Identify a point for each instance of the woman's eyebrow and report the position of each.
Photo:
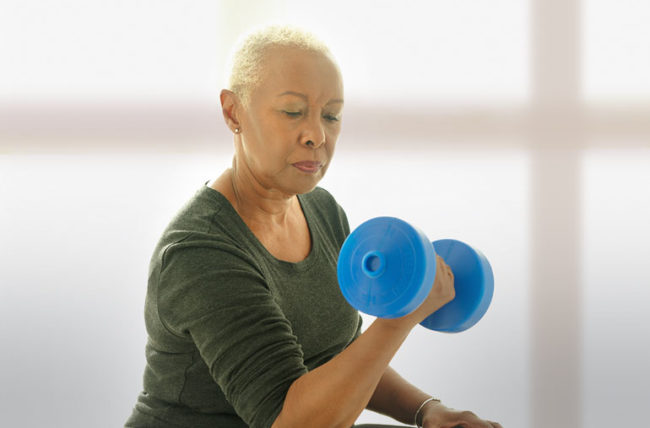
(297, 94)
(303, 96)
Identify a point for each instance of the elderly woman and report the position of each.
(246, 323)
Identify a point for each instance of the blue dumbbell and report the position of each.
(386, 268)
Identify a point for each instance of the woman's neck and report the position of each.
(254, 203)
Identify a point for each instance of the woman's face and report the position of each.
(292, 121)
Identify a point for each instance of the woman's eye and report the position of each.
(292, 113)
(331, 118)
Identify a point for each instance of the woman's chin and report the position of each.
(300, 190)
(303, 186)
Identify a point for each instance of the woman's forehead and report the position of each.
(292, 70)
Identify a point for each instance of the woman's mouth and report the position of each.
(308, 166)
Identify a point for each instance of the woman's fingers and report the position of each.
(470, 420)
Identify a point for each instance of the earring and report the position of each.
(236, 130)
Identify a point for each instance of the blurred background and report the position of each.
(521, 127)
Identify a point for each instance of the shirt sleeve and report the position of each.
(358, 332)
(219, 299)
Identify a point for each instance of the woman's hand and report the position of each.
(442, 292)
(436, 415)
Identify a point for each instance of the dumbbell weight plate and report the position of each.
(383, 265)
(474, 285)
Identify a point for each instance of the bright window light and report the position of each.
(421, 51)
(616, 50)
(616, 285)
(431, 52)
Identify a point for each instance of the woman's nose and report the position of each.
(314, 134)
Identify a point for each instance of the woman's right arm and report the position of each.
(335, 394)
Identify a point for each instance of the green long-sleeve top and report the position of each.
(230, 326)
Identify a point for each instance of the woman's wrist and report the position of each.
(420, 411)
(402, 325)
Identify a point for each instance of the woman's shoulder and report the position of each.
(327, 209)
(206, 220)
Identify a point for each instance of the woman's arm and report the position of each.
(397, 398)
(335, 394)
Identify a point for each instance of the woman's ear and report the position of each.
(230, 107)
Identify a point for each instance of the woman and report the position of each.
(246, 323)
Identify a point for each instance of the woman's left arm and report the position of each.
(397, 398)
(400, 400)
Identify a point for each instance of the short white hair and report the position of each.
(246, 60)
